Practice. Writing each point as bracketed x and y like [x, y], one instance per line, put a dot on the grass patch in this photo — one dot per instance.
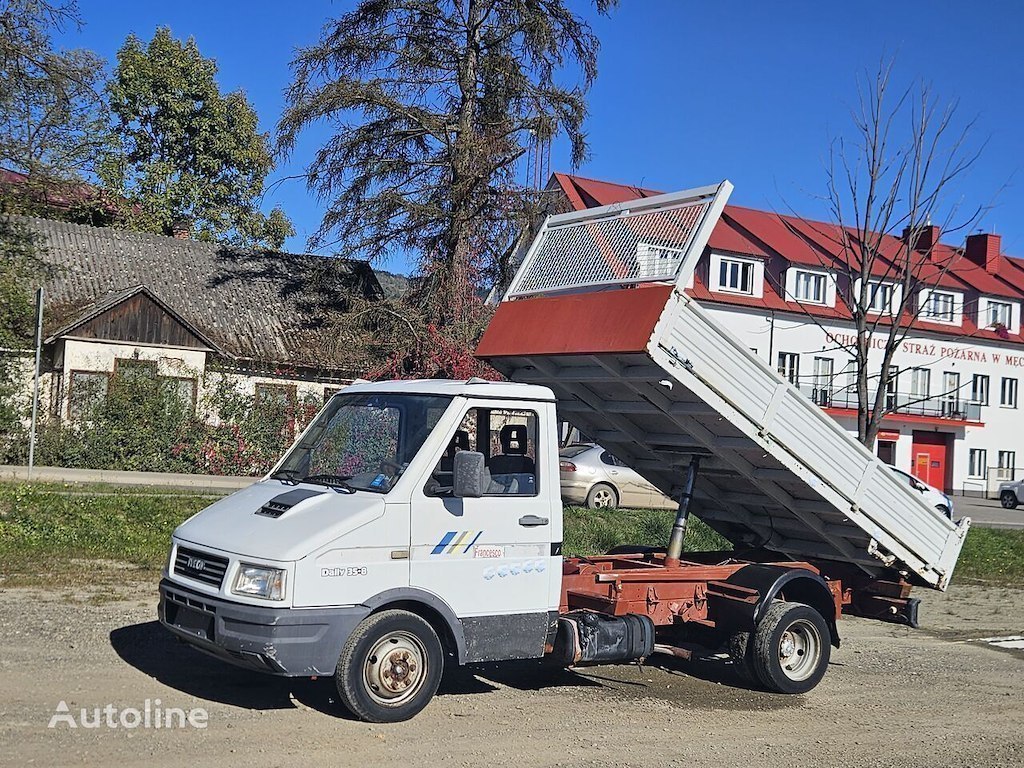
[595, 531]
[46, 532]
[51, 534]
[992, 555]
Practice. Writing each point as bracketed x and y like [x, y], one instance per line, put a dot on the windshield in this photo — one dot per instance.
[363, 441]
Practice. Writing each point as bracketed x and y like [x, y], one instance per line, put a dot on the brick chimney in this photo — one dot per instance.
[983, 250]
[922, 239]
[181, 229]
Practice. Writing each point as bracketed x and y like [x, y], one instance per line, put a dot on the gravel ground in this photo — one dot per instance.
[893, 697]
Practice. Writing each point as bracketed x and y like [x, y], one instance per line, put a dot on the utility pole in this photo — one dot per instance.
[35, 382]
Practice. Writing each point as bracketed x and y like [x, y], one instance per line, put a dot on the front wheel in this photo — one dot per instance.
[1008, 499]
[602, 496]
[791, 648]
[390, 667]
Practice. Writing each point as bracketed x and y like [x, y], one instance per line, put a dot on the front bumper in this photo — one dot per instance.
[284, 641]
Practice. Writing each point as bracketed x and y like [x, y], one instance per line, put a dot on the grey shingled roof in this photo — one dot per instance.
[268, 307]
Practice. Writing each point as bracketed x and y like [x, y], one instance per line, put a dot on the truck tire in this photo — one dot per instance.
[602, 496]
[741, 650]
[1008, 499]
[390, 667]
[791, 648]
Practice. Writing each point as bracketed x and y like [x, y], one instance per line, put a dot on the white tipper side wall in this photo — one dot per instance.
[999, 427]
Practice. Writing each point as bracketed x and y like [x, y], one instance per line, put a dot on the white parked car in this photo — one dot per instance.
[594, 478]
[932, 495]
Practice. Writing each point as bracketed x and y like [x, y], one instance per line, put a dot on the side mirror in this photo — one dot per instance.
[469, 481]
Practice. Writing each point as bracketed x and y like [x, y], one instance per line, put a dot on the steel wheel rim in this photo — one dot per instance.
[395, 668]
[799, 650]
[603, 498]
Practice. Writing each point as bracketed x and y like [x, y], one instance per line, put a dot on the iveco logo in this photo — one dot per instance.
[195, 563]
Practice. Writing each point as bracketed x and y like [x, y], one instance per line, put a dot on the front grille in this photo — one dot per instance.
[200, 566]
[190, 602]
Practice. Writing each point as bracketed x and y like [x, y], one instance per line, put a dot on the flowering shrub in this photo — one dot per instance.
[144, 426]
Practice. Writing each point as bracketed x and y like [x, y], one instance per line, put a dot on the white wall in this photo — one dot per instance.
[100, 356]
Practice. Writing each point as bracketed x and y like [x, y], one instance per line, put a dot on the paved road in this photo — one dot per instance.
[988, 513]
[114, 477]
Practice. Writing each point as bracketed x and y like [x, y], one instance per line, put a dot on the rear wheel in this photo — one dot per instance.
[741, 649]
[602, 496]
[1008, 499]
[390, 667]
[944, 510]
[791, 648]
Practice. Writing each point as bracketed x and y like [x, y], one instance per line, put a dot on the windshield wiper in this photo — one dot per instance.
[337, 482]
[292, 476]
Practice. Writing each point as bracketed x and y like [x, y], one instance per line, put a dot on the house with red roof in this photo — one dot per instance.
[779, 281]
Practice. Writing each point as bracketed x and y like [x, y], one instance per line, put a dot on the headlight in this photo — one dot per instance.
[259, 581]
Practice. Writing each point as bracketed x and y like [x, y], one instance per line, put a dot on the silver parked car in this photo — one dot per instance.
[592, 477]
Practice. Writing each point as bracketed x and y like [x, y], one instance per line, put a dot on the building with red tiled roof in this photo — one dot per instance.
[778, 281]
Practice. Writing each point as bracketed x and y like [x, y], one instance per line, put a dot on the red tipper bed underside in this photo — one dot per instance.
[615, 321]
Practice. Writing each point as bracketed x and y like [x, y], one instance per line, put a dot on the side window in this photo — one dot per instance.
[607, 458]
[508, 441]
[512, 460]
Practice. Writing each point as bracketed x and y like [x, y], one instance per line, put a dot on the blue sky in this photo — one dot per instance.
[688, 93]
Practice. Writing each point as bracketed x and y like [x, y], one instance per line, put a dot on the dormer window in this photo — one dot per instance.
[883, 298]
[735, 274]
[880, 297]
[809, 286]
[941, 306]
[998, 314]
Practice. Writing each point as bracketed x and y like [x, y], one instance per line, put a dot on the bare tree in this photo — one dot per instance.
[890, 189]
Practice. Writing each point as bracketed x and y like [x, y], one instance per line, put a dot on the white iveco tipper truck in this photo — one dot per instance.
[416, 524]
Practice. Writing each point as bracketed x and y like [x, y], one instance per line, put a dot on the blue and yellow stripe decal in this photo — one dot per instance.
[453, 540]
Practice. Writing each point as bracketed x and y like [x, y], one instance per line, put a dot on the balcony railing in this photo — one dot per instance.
[950, 406]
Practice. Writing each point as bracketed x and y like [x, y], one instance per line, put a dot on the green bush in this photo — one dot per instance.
[142, 424]
[13, 435]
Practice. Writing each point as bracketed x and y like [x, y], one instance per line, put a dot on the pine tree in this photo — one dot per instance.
[431, 104]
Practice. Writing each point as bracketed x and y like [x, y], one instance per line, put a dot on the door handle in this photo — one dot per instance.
[532, 521]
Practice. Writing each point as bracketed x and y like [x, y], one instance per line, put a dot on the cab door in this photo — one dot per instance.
[490, 558]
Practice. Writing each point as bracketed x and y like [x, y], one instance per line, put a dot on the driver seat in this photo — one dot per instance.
[513, 459]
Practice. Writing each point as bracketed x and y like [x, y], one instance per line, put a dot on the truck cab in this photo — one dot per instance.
[360, 518]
